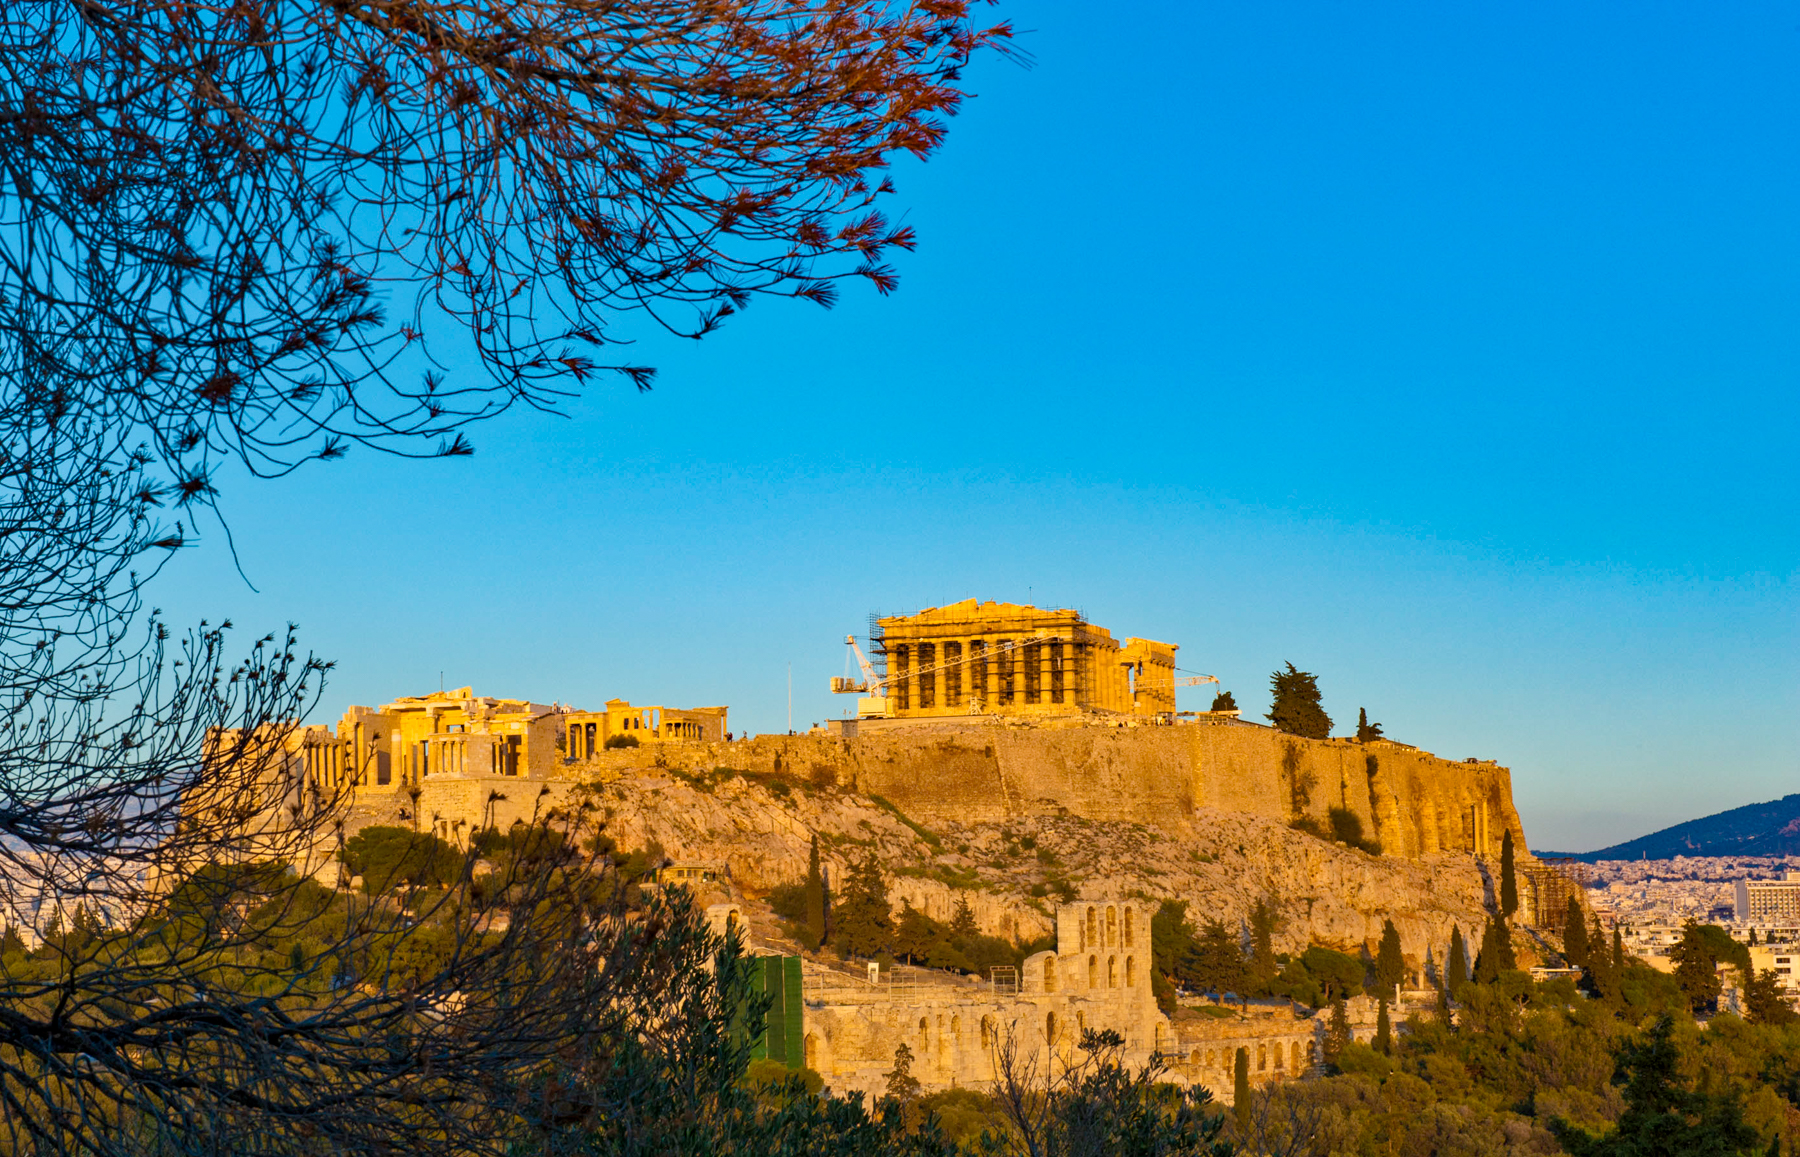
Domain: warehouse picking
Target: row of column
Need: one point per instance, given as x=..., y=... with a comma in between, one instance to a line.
x=980, y=674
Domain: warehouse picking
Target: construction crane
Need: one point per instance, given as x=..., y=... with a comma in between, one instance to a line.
x=874, y=704
x=1195, y=680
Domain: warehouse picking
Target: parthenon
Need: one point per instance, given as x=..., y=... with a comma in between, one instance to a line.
x=974, y=658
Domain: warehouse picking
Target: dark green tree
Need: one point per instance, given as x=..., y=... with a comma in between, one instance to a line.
x=1575, y=937
x=1765, y=1001
x=1365, y=730
x=1384, y=1031
x=1338, y=1035
x=1224, y=702
x=1496, y=951
x=1618, y=952
x=1218, y=960
x=1602, y=976
x=1509, y=884
x=865, y=920
x=1240, y=1092
x=1296, y=708
x=1265, y=921
x=1443, y=1004
x=902, y=1086
x=11, y=943
x=1697, y=961
x=1390, y=961
x=1172, y=948
x=918, y=937
x=815, y=896
x=1662, y=1115
x=962, y=922
x=1456, y=971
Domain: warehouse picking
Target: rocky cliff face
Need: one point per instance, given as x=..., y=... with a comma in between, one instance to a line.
x=1220, y=861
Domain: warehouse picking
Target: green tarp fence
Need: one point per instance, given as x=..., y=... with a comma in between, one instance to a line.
x=784, y=1030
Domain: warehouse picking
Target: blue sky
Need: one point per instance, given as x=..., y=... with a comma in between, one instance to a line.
x=1449, y=352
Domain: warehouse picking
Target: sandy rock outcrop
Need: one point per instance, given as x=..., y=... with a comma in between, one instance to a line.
x=1220, y=862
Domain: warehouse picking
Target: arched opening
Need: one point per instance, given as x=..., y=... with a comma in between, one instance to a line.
x=1128, y=924
x=1194, y=1057
x=1262, y=1058
x=924, y=1028
x=1277, y=1051
x=1049, y=974
x=1093, y=925
x=1112, y=927
x=811, y=1052
x=1050, y=1028
x=1131, y=972
x=987, y=1032
x=1093, y=972
x=1296, y=1054
x=1112, y=972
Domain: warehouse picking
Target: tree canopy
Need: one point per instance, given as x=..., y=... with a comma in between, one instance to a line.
x=1296, y=708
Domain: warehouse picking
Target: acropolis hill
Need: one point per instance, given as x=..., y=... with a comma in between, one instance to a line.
x=1018, y=759
x=991, y=715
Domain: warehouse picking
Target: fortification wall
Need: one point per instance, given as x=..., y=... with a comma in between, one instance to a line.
x=1414, y=803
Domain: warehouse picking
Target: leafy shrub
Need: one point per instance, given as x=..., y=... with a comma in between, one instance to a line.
x=614, y=742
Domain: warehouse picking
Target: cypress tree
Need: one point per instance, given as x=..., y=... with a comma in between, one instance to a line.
x=1618, y=960
x=1240, y=1093
x=11, y=943
x=1338, y=1036
x=1509, y=886
x=1457, y=971
x=1296, y=708
x=1601, y=976
x=1384, y=1032
x=1443, y=1005
x=1503, y=943
x=1487, y=961
x=1390, y=961
x=865, y=920
x=1263, y=968
x=1365, y=730
x=1575, y=937
x=962, y=923
x=815, y=895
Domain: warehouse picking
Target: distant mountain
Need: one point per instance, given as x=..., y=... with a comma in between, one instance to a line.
x=1758, y=829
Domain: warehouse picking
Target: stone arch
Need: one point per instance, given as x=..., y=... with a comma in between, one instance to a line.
x=1297, y=1065
x=1128, y=927
x=1131, y=972
x=1262, y=1058
x=1112, y=926
x=1050, y=1028
x=1277, y=1051
x=1093, y=929
x=1194, y=1057
x=810, y=1052
x=1049, y=974
x=1112, y=972
x=1093, y=972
